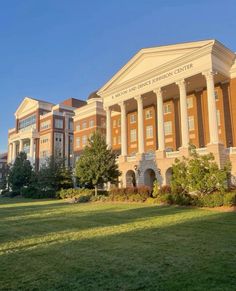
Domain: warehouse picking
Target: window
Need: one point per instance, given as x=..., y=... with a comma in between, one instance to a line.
x=114, y=123
x=114, y=140
x=119, y=139
x=71, y=125
x=148, y=114
x=216, y=95
x=27, y=121
x=78, y=142
x=84, y=124
x=44, y=140
x=91, y=123
x=44, y=154
x=1, y=165
x=149, y=131
x=59, y=123
x=45, y=124
x=167, y=108
x=118, y=122
x=103, y=122
x=132, y=118
x=84, y=140
x=190, y=102
x=168, y=127
x=191, y=122
x=218, y=117
x=78, y=127
x=133, y=135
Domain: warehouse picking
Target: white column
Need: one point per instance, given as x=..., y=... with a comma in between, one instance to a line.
x=31, y=153
x=66, y=144
x=212, y=112
x=21, y=145
x=13, y=152
x=123, y=129
x=140, y=125
x=9, y=157
x=108, y=126
x=160, y=120
x=183, y=113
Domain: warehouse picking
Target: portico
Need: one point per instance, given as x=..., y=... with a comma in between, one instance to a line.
x=22, y=142
x=155, y=76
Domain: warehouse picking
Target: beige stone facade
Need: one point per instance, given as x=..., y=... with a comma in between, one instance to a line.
x=166, y=98
x=43, y=129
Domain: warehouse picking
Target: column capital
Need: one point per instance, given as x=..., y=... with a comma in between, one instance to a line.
x=158, y=91
x=181, y=83
x=209, y=74
x=138, y=98
x=122, y=104
x=107, y=108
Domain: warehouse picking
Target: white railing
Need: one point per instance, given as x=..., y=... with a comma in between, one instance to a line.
x=232, y=151
x=131, y=158
x=174, y=154
x=201, y=151
x=149, y=156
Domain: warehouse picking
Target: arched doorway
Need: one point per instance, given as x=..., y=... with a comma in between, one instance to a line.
x=169, y=174
x=149, y=177
x=130, y=179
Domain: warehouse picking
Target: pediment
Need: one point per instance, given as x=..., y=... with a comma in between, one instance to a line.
x=149, y=59
x=27, y=106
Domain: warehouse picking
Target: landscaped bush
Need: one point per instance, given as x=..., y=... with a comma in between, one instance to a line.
x=215, y=199
x=74, y=193
x=230, y=199
x=164, y=199
x=10, y=194
x=132, y=194
x=166, y=189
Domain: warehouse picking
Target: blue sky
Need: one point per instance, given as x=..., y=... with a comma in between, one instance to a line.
x=55, y=49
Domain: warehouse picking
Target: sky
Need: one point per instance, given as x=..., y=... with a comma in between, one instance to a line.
x=56, y=49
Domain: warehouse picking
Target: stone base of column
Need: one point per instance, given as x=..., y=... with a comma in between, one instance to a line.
x=122, y=159
x=139, y=157
x=184, y=152
x=218, y=150
x=160, y=154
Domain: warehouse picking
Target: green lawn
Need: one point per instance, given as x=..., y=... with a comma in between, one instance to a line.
x=51, y=245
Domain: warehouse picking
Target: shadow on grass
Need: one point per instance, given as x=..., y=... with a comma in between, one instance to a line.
x=55, y=218
x=197, y=254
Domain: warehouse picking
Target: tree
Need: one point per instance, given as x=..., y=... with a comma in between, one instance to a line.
x=199, y=173
x=204, y=174
x=54, y=176
x=97, y=164
x=20, y=173
x=4, y=186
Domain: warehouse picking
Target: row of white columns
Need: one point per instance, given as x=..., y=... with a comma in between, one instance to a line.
x=212, y=113
x=13, y=152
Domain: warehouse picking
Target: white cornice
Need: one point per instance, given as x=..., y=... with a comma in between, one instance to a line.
x=160, y=70
x=171, y=48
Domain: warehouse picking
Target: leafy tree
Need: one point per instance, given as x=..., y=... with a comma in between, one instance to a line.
x=199, y=173
x=204, y=174
x=20, y=173
x=179, y=179
x=4, y=182
x=97, y=164
x=54, y=175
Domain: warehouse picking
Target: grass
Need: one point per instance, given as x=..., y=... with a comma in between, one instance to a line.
x=51, y=245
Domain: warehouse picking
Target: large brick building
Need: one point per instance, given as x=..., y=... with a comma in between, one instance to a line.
x=43, y=129
x=162, y=100
x=167, y=97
